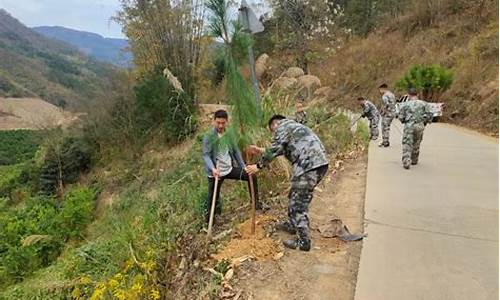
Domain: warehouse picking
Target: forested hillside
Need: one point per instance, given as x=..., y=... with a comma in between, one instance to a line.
x=34, y=66
x=110, y=50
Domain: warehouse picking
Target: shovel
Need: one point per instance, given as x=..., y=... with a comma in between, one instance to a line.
x=352, y=127
x=212, y=208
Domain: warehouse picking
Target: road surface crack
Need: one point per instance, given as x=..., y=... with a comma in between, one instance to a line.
x=430, y=231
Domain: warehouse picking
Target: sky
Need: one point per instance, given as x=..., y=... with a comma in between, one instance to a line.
x=87, y=15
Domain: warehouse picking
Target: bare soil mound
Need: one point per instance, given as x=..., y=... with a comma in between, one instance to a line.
x=32, y=113
x=244, y=243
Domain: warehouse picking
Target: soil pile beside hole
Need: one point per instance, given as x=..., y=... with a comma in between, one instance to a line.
x=259, y=246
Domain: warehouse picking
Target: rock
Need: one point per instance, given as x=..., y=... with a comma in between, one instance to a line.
x=309, y=81
x=278, y=255
x=324, y=92
x=261, y=65
x=308, y=84
x=293, y=72
x=229, y=274
x=284, y=83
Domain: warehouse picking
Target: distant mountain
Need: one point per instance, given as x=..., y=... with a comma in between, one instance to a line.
x=104, y=49
x=32, y=65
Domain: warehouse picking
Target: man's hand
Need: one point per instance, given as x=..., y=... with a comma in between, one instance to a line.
x=252, y=149
x=215, y=172
x=251, y=169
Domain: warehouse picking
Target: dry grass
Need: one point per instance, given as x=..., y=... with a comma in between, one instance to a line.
x=465, y=41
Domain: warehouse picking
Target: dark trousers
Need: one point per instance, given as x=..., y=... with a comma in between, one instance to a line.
x=236, y=174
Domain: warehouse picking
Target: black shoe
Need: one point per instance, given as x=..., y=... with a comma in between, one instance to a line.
x=302, y=244
x=384, y=144
x=414, y=162
x=286, y=227
x=406, y=166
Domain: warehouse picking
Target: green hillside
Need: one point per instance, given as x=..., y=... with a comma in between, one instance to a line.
x=34, y=66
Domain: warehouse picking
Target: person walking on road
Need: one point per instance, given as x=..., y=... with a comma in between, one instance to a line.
x=414, y=114
x=222, y=159
x=305, y=151
x=388, y=112
x=370, y=111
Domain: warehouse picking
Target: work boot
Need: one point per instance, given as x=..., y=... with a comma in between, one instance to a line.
x=302, y=244
x=384, y=144
x=285, y=226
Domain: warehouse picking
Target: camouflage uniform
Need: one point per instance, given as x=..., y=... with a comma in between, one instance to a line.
x=370, y=111
x=301, y=117
x=414, y=114
x=388, y=113
x=302, y=147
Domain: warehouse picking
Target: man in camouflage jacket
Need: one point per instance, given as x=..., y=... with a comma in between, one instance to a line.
x=414, y=114
x=388, y=112
x=302, y=147
x=370, y=111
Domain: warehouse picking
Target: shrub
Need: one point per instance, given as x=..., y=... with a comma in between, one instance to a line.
x=76, y=212
x=17, y=260
x=33, y=236
x=431, y=81
x=18, y=145
x=9, y=179
x=159, y=104
x=63, y=162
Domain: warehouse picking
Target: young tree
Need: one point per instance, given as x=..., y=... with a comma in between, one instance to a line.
x=298, y=22
x=246, y=113
x=430, y=80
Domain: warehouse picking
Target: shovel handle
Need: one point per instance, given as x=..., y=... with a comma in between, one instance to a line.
x=212, y=208
x=252, y=195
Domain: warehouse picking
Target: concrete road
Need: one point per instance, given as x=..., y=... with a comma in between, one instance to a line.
x=432, y=230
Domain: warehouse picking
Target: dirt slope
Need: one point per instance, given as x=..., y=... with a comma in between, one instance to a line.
x=32, y=113
x=329, y=270
x=463, y=40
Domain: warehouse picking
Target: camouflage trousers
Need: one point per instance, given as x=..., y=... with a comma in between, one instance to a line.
x=386, y=126
x=374, y=128
x=412, y=137
x=301, y=194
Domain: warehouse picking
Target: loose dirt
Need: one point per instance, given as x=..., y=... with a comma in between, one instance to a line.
x=330, y=269
x=258, y=246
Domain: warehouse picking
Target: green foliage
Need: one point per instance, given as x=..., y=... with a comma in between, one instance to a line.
x=430, y=80
x=10, y=179
x=246, y=113
x=18, y=145
x=360, y=16
x=33, y=235
x=76, y=212
x=158, y=104
x=216, y=73
x=64, y=160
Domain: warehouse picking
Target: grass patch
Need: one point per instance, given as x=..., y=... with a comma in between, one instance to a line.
x=149, y=227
